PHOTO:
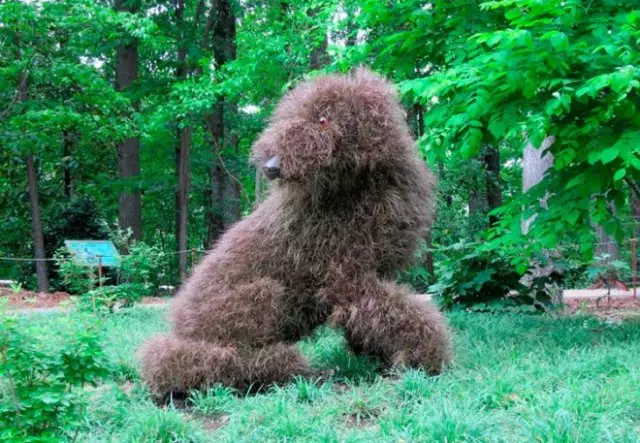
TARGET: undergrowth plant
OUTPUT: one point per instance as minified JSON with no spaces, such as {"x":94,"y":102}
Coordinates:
{"x":76,"y":277}
{"x":40,"y":388}
{"x":146,"y":265}
{"x":484,"y":279}
{"x":112,"y":298}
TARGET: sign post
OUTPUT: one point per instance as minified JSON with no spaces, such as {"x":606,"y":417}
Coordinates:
{"x":96,"y":253}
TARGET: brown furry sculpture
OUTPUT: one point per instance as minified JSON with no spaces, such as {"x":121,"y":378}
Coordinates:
{"x":350,"y":200}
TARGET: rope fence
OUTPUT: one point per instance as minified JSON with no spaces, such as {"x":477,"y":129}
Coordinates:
{"x":28,"y":259}
{"x":453,"y":247}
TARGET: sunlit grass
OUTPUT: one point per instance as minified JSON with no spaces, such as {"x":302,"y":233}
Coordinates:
{"x":514,"y":378}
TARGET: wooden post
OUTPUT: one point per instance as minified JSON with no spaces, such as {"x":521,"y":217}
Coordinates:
{"x":193,"y":260}
{"x":634,"y":263}
{"x":99,"y":269}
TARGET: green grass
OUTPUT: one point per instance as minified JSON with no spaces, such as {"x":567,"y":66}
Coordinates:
{"x":515,"y":378}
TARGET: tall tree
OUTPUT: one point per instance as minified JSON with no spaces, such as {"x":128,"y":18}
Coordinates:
{"x":319,"y":57}
{"x":36,"y":225}
{"x":130,"y":211}
{"x":491,"y":157}
{"x":535,"y":163}
{"x":183,"y":150}
{"x":32,"y":181}
{"x":223,"y":45}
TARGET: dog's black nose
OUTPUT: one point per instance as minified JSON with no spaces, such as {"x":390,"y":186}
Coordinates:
{"x":271,"y":167}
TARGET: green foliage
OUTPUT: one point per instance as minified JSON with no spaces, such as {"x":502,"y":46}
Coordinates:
{"x":147,"y":267}
{"x":76,"y":277}
{"x":607,"y":271}
{"x":547,"y":68}
{"x":40,"y":390}
{"x":516,"y":378}
{"x":214,"y":401}
{"x":112,"y":298}
{"x":486,"y":279}
{"x":471,"y":74}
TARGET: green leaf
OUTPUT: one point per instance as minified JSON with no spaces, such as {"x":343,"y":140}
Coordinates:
{"x":575,"y":181}
{"x":622,"y":79}
{"x":593,"y":157}
{"x":609,"y":155}
{"x":572,"y":217}
{"x":497,"y":128}
{"x":471,"y":144}
{"x":620,"y":173}
{"x":559,"y":41}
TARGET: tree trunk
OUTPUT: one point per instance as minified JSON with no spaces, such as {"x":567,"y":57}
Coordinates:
{"x":235,"y":190}
{"x":319,"y":58}
{"x":493,"y":186}
{"x":223,"y":44}
{"x":352,"y":25}
{"x":36,"y":225}
{"x":415,"y":117}
{"x":535,"y":164}
{"x":32,"y":184}
{"x":215,"y":210}
{"x":128,"y":150}
{"x":477,"y":202}
{"x":607,"y":245}
{"x":183,"y":154}
{"x":67,"y":143}
{"x":635,"y":212}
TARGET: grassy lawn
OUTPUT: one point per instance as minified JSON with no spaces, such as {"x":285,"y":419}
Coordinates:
{"x":515,"y":378}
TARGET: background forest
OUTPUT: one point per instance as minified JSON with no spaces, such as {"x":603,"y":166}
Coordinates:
{"x":133,"y":120}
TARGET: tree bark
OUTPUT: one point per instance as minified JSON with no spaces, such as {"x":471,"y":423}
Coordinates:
{"x":319,"y":58}
{"x":493,"y":186}
{"x":536,"y":162}
{"x":216,"y":191}
{"x":183,"y":154}
{"x":32,"y":184}
{"x":130,"y":211}
{"x":67,"y":143}
{"x":36,"y":225}
{"x":223,"y":45}
{"x":635,"y":212}
{"x":184,"y":184}
{"x":415,"y":116}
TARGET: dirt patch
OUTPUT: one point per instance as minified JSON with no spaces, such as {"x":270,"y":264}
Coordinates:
{"x":28,"y":299}
{"x":363,"y":419}
{"x":212,"y":424}
{"x":612,"y":309}
{"x":38,"y":300}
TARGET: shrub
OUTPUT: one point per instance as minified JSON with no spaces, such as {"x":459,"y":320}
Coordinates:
{"x":78,"y":219}
{"x":112,"y":298}
{"x":39,"y":395}
{"x":146,"y":265}
{"x":76,"y":278}
{"x":486,"y":279}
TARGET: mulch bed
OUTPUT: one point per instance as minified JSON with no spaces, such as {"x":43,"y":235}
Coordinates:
{"x":615,"y":309}
{"x":28,"y":299}
{"x":37,"y":300}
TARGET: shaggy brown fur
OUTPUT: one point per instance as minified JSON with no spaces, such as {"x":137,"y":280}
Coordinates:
{"x":352,"y":200}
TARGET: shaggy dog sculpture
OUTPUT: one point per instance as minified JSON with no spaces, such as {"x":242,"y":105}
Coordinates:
{"x":350,"y":200}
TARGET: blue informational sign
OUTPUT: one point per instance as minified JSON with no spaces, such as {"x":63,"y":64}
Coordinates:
{"x":86,"y":252}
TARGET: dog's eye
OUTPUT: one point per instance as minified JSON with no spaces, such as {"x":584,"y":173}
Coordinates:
{"x":324,"y":121}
